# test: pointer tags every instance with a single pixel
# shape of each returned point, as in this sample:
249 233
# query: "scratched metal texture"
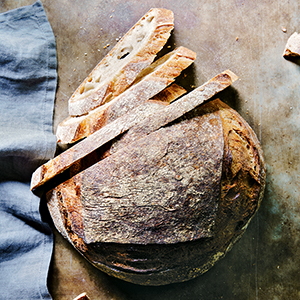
247 37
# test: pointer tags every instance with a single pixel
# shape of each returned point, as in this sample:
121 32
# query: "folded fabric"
28 81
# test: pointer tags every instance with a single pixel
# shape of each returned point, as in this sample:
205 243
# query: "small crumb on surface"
283 29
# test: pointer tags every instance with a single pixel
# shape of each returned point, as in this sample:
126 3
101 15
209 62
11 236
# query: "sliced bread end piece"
119 68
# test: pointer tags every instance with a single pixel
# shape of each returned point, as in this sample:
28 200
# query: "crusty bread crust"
242 187
165 186
119 68
151 81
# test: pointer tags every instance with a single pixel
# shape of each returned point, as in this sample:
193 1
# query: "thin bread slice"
169 113
119 68
150 81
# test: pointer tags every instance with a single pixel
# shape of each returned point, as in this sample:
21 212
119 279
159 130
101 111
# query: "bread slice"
151 81
119 68
169 113
292 47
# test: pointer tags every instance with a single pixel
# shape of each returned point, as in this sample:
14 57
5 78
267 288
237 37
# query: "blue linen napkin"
28 79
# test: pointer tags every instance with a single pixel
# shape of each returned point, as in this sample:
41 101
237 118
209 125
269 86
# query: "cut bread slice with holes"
119 68
149 82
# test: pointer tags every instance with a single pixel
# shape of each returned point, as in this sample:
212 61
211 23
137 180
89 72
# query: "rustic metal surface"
248 37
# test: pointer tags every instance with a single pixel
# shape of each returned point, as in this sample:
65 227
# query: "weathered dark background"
247 37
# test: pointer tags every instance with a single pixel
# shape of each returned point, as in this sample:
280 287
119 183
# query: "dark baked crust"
242 186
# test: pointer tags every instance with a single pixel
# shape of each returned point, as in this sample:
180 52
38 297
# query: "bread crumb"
237 38
178 177
74 70
283 29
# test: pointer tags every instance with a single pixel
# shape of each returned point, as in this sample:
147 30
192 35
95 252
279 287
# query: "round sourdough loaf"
166 207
